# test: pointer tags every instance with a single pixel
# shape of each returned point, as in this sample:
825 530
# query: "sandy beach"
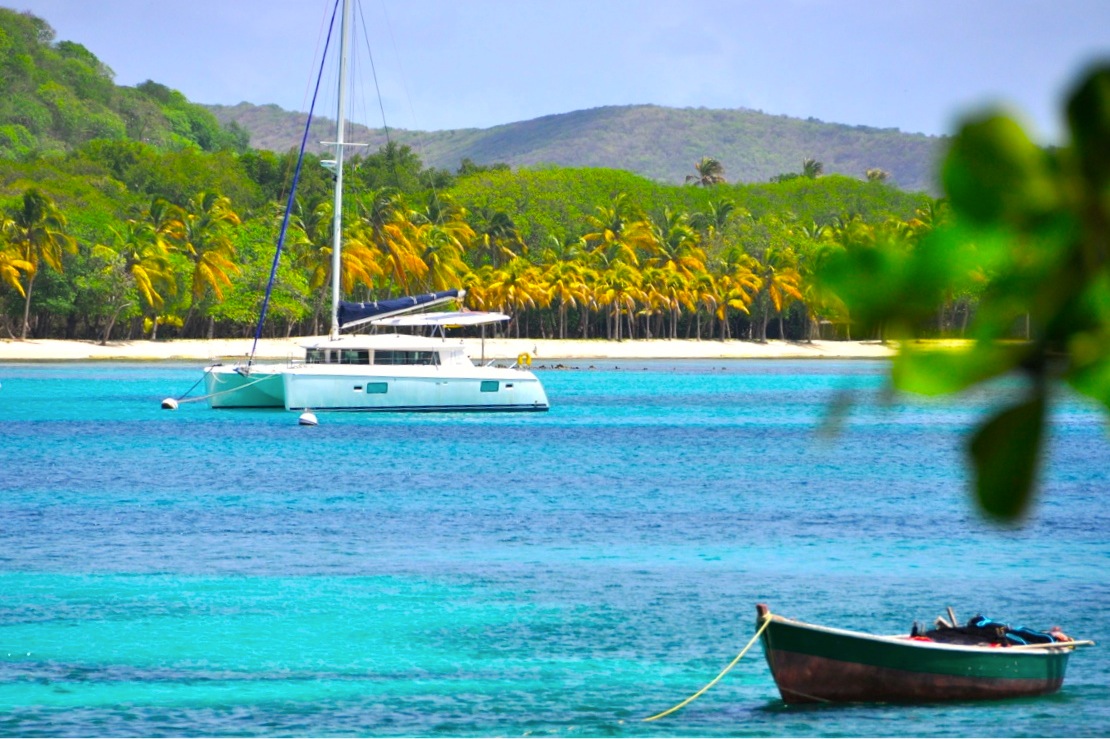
542 351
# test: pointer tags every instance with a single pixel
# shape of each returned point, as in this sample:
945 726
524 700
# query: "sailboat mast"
340 127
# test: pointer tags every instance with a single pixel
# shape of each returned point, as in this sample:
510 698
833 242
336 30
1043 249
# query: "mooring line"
199 398
714 681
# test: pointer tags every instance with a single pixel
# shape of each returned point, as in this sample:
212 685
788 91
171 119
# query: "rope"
199 398
1053 645
181 399
714 681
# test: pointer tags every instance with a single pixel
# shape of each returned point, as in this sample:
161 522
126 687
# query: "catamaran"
377 372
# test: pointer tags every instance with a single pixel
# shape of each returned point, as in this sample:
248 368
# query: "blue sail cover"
356 313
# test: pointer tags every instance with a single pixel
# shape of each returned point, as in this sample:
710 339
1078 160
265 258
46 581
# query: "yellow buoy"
524 360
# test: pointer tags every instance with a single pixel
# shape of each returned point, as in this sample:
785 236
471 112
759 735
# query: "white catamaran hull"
230 386
361 388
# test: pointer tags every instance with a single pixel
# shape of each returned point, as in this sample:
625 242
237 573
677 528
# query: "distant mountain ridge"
657 142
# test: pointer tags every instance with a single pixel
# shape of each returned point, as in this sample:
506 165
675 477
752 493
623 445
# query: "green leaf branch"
1027 231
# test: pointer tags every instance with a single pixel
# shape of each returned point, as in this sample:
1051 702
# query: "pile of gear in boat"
985 631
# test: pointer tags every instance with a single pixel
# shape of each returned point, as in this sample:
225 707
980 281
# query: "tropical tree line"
650 262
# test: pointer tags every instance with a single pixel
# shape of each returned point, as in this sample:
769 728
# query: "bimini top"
443 319
356 314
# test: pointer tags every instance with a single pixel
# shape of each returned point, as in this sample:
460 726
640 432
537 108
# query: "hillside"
656 142
59 96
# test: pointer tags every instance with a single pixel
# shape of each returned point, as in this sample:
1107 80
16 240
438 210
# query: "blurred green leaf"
1089 349
870 279
994 173
1006 452
930 371
1089 121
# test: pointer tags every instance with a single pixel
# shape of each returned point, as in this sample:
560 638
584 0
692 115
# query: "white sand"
543 351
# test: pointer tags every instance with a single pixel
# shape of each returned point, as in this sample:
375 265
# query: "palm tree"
145 260
709 172
701 293
812 168
619 287
309 243
675 243
12 265
201 233
204 238
516 287
663 289
36 232
12 268
739 283
715 218
386 226
619 233
566 284
360 259
498 237
781 284
442 250
165 223
444 237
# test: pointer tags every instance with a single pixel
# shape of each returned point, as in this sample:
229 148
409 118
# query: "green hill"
56 96
657 142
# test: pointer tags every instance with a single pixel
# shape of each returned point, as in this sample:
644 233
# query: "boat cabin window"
405 357
377 388
337 356
354 356
489 386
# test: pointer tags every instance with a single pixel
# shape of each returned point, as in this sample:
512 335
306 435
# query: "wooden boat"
813 664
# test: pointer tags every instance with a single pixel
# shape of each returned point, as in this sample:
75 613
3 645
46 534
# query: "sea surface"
231 573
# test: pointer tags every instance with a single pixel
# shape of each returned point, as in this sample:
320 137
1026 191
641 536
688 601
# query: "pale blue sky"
915 65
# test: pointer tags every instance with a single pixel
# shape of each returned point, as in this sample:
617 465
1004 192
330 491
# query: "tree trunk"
27 307
108 329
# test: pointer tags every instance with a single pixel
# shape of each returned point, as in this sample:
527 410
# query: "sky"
916 65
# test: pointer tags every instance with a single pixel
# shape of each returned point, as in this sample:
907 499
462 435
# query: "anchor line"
714 681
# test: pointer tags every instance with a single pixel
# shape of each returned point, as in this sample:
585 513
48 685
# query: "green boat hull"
818 664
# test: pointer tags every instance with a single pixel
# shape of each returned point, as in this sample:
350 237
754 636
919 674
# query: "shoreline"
541 350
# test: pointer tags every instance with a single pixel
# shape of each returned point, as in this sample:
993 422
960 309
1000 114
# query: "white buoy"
169 404
308 418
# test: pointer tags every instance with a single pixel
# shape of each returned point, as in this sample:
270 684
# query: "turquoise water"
231 573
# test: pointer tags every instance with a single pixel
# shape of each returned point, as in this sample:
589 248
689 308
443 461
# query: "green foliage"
824 199
1029 232
394 166
16 142
290 299
63 96
556 201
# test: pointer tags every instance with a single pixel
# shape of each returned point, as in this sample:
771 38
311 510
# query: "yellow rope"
714 681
